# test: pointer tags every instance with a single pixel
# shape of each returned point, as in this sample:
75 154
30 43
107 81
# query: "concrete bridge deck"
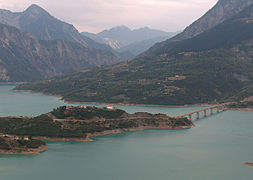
211 109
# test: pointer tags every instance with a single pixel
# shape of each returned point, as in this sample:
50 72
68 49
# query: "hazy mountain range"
211 60
38 22
35 45
123 39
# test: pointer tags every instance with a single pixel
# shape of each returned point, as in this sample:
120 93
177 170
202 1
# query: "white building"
110 107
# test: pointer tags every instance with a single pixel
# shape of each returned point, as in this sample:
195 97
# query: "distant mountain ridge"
122 38
38 22
126 36
141 46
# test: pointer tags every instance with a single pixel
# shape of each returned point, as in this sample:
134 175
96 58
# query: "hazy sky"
96 15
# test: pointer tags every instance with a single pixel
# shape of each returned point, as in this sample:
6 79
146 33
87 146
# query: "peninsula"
10 144
70 123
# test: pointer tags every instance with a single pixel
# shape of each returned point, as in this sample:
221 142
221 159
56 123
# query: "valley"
213 66
123 39
95 100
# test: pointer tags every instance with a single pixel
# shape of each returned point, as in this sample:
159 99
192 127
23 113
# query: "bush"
35 143
4 145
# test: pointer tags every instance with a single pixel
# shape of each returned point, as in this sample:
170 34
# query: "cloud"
95 15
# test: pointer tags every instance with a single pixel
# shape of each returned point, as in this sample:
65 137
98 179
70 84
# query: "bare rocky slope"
36 45
223 10
24 57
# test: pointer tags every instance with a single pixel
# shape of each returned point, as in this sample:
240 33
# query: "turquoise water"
214 150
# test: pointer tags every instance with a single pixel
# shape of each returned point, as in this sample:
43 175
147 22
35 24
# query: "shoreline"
128 104
114 104
29 151
119 131
60 139
60 97
89 136
240 109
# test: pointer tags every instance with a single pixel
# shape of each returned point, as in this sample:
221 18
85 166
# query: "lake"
213 150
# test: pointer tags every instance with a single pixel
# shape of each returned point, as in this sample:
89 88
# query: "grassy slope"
209 76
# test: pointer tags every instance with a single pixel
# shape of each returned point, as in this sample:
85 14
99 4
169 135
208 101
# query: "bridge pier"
190 117
205 113
197 115
212 110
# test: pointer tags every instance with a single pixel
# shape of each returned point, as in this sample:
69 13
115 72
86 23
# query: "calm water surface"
214 150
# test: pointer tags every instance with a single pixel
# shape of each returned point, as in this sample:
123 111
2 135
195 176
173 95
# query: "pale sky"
97 15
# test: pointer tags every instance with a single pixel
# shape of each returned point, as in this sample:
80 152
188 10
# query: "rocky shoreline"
12 144
119 131
29 151
88 138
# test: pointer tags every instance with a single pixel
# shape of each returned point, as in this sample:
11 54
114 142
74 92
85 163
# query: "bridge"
204 111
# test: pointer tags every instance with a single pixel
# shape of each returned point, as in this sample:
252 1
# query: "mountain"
136 41
215 65
24 57
38 22
140 46
36 45
223 10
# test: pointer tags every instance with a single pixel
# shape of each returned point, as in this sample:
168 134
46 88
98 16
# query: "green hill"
79 122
